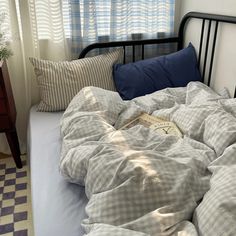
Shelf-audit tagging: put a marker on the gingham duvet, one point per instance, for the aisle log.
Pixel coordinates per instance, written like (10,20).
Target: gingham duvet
(141,183)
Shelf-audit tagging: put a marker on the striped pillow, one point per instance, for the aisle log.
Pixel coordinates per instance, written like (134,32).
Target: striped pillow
(59,82)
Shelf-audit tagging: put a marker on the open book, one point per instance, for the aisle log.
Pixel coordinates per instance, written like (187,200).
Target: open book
(159,125)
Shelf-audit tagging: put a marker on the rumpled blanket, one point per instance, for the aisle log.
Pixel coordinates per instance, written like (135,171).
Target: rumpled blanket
(141,183)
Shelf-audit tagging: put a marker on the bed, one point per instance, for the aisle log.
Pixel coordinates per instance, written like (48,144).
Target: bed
(59,206)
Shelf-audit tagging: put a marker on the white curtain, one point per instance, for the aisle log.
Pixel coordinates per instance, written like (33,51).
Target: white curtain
(36,28)
(103,20)
(59,29)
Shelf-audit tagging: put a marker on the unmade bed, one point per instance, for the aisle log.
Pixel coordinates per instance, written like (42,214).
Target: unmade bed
(90,136)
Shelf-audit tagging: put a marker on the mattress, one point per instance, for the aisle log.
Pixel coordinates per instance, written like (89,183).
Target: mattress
(58,206)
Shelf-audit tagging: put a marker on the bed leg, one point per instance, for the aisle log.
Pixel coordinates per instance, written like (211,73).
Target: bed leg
(14,146)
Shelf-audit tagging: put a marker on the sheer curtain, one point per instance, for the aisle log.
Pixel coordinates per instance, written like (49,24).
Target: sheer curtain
(103,20)
(36,28)
(59,29)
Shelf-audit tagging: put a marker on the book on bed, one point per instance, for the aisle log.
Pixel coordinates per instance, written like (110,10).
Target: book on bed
(161,126)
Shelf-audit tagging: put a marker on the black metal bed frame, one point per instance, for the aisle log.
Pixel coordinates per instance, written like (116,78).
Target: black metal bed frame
(206,18)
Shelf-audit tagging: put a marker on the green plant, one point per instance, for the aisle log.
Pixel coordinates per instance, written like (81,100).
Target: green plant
(5,52)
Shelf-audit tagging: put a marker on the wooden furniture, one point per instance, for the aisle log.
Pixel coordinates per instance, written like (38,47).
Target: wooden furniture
(8,113)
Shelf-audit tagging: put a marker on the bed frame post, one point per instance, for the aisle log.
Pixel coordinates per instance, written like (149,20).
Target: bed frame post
(201,42)
(213,52)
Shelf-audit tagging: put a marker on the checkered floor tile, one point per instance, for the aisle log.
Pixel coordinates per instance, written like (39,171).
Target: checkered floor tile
(15,203)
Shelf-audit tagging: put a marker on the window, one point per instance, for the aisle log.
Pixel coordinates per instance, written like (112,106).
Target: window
(138,16)
(5,19)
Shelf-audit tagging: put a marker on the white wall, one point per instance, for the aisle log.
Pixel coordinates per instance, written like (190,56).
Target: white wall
(224,72)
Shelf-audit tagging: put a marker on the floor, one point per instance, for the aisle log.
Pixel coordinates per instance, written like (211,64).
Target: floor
(15,202)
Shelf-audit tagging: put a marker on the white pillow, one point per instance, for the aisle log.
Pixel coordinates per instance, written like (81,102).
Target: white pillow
(59,82)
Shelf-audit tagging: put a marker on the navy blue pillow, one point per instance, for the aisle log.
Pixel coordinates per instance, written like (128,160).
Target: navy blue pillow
(147,76)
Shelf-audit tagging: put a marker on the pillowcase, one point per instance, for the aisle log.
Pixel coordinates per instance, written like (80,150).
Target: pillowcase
(59,82)
(147,76)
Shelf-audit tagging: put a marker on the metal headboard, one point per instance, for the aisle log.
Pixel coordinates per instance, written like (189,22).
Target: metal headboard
(202,57)
(128,43)
(206,18)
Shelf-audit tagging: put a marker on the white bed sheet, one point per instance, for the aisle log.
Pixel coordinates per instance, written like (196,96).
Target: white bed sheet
(58,206)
